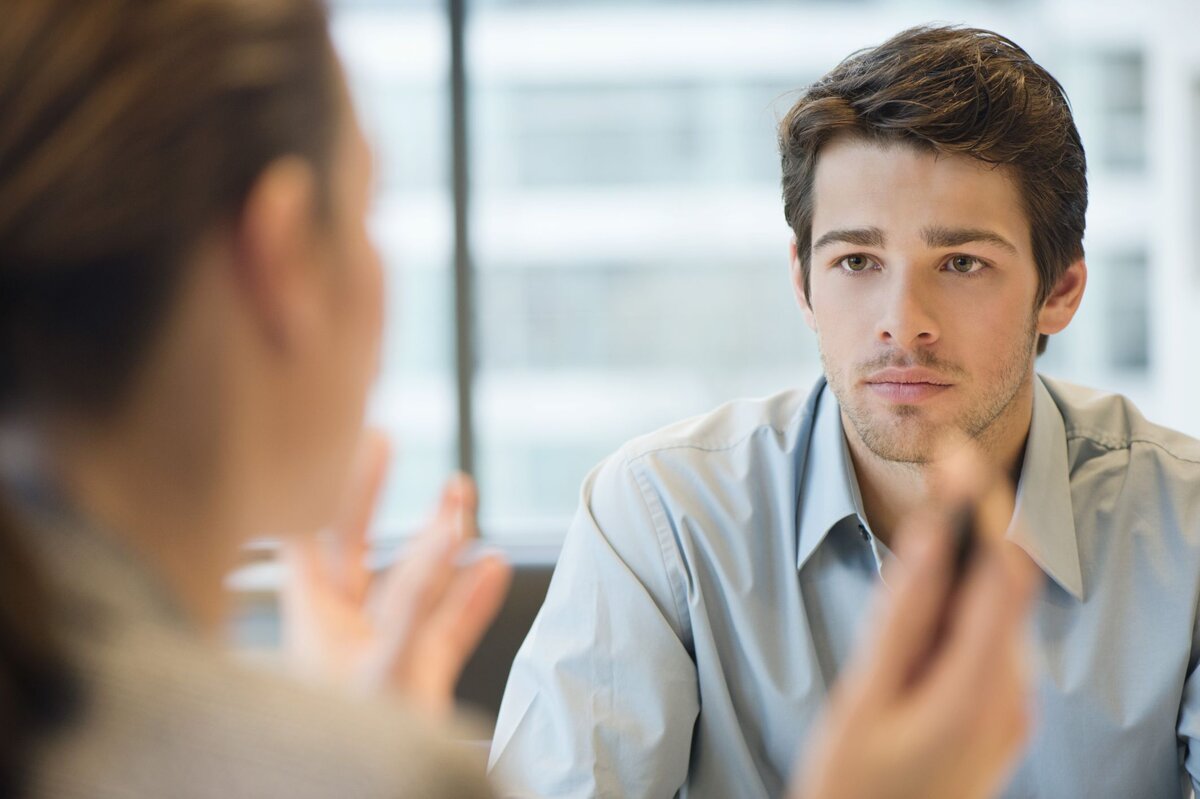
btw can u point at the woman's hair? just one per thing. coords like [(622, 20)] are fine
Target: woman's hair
[(129, 130), (949, 90)]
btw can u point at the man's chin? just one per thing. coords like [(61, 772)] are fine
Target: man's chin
[(905, 438), (900, 452)]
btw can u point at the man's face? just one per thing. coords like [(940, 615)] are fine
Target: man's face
[(922, 296)]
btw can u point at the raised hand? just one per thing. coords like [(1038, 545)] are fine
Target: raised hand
[(412, 628), (935, 704)]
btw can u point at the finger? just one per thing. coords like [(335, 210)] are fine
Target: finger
[(909, 616), (985, 634), (303, 574), (426, 598), (303, 564), (965, 484), (457, 509), (991, 597), (464, 615), (988, 703), (471, 604), (911, 628), (1006, 718), (350, 533), (1024, 577), (415, 584), (454, 514), (964, 478), (995, 597)]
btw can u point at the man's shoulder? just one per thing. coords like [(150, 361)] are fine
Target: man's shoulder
[(664, 499), (773, 424), (1097, 422)]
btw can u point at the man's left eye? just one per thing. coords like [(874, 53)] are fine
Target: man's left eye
[(965, 264)]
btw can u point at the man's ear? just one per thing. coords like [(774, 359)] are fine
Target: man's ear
[(798, 284), (1063, 302), (275, 248)]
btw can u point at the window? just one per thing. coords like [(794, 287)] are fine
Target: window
[(1123, 142), (627, 248), (1128, 333), (1194, 188), (396, 60), (629, 243)]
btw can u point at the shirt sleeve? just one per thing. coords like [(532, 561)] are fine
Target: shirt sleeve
[(602, 697), (1188, 730)]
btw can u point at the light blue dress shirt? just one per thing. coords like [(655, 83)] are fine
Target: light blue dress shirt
[(715, 578)]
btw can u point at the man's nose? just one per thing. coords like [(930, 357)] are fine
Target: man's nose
[(907, 318)]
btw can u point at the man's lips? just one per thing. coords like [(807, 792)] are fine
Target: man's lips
[(911, 374), (906, 386)]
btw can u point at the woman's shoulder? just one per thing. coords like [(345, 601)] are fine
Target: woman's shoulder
[(166, 714), (163, 711)]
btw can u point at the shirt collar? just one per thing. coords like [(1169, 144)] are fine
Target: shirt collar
[(1047, 520), (829, 489)]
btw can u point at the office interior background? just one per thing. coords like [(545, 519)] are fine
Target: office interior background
[(627, 247)]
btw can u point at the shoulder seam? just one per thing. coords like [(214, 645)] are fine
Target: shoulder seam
[(628, 460), (1111, 444)]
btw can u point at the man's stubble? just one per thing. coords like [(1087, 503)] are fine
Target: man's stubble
[(903, 434)]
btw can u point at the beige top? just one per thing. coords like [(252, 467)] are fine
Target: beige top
[(165, 714)]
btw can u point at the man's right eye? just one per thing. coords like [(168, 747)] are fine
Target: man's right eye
[(855, 263)]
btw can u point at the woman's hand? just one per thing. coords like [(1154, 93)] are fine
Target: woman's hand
[(935, 704), (411, 629)]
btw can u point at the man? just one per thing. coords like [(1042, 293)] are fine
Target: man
[(714, 579)]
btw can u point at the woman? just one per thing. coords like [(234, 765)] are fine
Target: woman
[(190, 313), (191, 316)]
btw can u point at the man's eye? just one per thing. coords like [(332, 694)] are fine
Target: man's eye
[(855, 263), (965, 264)]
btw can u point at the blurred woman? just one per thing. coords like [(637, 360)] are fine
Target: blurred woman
[(190, 313)]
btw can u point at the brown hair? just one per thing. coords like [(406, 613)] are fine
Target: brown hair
[(950, 90), (129, 129)]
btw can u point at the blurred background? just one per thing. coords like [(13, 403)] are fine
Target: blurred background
[(618, 233)]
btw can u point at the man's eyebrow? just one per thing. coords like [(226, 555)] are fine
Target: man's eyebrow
[(955, 237), (861, 237)]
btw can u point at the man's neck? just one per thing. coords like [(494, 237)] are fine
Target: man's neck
[(892, 490)]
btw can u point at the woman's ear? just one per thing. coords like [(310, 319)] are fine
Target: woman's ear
[(275, 249), (1060, 307)]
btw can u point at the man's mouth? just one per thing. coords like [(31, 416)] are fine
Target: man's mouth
[(908, 385)]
